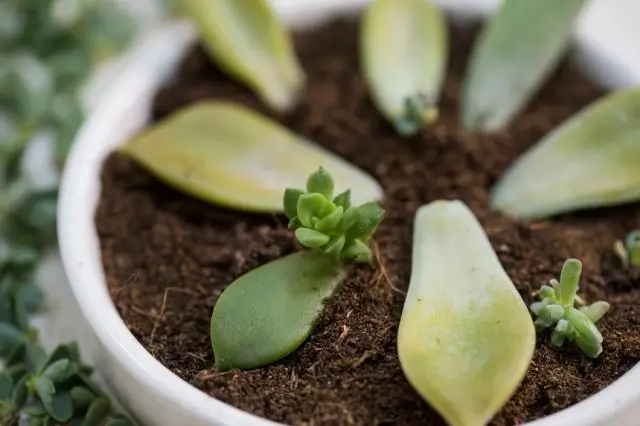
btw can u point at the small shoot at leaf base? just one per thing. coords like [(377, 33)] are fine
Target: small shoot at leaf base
[(556, 309), (403, 55), (331, 225), (419, 111), (629, 250)]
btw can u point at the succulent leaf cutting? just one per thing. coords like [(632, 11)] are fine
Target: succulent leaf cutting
[(328, 224), (557, 310)]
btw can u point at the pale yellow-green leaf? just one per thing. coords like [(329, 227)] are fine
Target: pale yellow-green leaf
[(592, 160), (465, 338), (229, 155), (404, 48), (514, 55), (249, 42)]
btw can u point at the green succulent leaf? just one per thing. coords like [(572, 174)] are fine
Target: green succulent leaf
[(404, 54), (17, 372), (61, 407), (82, 397), (215, 142), (6, 387), (119, 420), (30, 296), (60, 370), (291, 196), (10, 338), (321, 182), (61, 352), (45, 390), (249, 42), (97, 412), (569, 280), (629, 251), (349, 219), (599, 142), (281, 299), (311, 238), (334, 246), (310, 206), (465, 333), (330, 221), (20, 392), (357, 251), (368, 218), (520, 46), (343, 200), (36, 357)]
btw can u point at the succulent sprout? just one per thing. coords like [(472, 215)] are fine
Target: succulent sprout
[(328, 224), (629, 250), (557, 309)]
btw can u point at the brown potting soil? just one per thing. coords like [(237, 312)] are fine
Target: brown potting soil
[(168, 257)]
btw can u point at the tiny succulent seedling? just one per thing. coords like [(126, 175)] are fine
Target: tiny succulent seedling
[(328, 224), (283, 298), (629, 250), (557, 310)]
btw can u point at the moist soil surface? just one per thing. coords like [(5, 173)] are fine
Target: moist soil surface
[(168, 257)]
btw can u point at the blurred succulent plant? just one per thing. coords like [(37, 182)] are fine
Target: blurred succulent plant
[(331, 225), (629, 250), (47, 50), (556, 309)]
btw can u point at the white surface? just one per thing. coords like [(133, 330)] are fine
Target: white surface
[(152, 392)]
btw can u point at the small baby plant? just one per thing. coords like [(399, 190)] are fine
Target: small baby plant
[(557, 310), (629, 250), (270, 311), (331, 226)]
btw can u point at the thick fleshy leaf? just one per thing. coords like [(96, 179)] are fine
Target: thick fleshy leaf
[(82, 397), (45, 390), (6, 387), (119, 421), (465, 338), (61, 407), (248, 41), (404, 49), (20, 392), (60, 370), (517, 51), (97, 412), (589, 161), (10, 338), (229, 155), (269, 312)]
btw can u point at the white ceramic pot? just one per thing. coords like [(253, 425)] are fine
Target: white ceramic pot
[(150, 391)]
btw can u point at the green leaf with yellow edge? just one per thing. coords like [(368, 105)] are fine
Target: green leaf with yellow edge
[(248, 41), (228, 155), (269, 312), (592, 160), (404, 49), (465, 338), (514, 55)]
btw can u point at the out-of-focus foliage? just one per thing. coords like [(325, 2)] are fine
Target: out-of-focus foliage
[(47, 50)]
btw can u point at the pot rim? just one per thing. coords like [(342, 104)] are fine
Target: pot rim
[(80, 188)]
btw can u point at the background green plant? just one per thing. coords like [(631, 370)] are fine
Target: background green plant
[(48, 48)]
